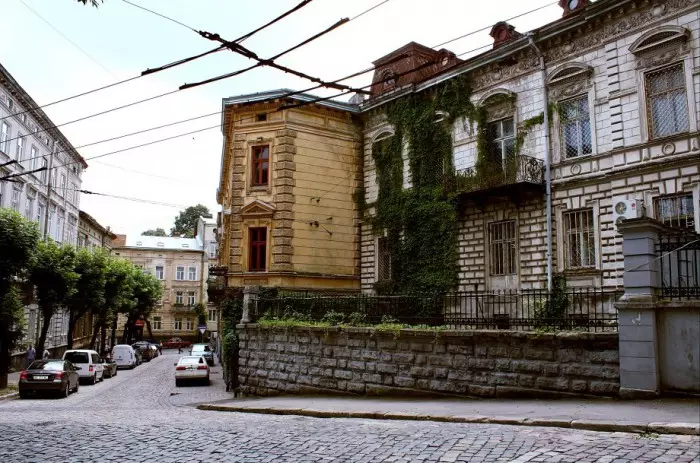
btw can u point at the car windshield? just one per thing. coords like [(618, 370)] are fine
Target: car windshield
[(200, 348), (47, 365), (189, 360), (76, 357)]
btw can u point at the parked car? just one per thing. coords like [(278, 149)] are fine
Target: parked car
[(139, 356), (176, 343), (90, 364), (155, 348), (203, 350), (110, 368), (145, 348), (54, 375), (124, 356), (191, 368), (158, 345)]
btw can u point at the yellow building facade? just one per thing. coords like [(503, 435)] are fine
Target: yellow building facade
[(287, 184)]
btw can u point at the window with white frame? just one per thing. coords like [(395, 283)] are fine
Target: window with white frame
[(19, 151), (60, 219), (33, 161), (177, 325), (190, 298), (502, 248), (40, 212), (501, 139), (212, 315), (4, 136), (63, 185), (190, 324), (383, 259), (54, 175), (157, 323), (160, 272), (178, 297), (16, 195), (575, 122), (212, 250), (667, 101), (29, 205), (676, 211), (192, 273), (45, 172), (180, 273), (579, 239)]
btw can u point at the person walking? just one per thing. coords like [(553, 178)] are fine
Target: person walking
[(46, 355), (31, 355)]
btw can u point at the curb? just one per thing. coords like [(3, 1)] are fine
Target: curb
[(690, 429), (9, 396)]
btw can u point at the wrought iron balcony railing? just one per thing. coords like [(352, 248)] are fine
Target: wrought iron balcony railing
[(515, 170)]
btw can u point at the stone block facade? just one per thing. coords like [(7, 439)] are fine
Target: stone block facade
[(416, 362)]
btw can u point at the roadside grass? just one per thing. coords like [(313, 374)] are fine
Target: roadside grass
[(8, 390)]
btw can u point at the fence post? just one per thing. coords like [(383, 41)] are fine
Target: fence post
[(638, 339), (250, 304)]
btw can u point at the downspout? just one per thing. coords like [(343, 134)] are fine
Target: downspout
[(547, 159)]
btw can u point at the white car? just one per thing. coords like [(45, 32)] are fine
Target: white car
[(90, 363), (124, 356), (191, 368)]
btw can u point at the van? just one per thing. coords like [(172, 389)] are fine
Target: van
[(91, 368), (124, 356)]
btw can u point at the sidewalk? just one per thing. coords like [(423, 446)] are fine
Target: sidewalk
[(664, 416)]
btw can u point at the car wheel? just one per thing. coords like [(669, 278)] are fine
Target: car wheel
[(77, 385), (115, 373), (93, 380), (23, 394), (66, 390)]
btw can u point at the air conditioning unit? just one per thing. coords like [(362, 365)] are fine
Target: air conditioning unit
[(624, 209)]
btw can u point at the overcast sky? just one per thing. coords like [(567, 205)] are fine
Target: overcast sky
[(123, 41)]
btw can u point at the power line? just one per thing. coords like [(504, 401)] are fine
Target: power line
[(278, 18), (68, 39), (368, 10), (161, 15)]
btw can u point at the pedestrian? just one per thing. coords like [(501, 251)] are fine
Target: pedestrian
[(46, 355), (179, 348), (31, 355)]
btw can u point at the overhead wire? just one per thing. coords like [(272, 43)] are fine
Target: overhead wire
[(180, 23)]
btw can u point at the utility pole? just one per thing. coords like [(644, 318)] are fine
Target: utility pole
[(48, 192)]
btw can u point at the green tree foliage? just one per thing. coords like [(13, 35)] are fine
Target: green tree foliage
[(147, 290), (18, 239), (54, 277), (201, 311), (186, 221), (89, 294), (117, 296), (155, 232)]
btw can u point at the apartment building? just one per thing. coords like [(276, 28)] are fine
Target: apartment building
[(29, 141), (92, 235), (182, 265), (206, 233), (619, 82)]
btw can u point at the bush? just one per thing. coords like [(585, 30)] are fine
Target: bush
[(333, 318), (357, 319)]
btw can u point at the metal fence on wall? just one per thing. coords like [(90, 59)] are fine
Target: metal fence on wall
[(585, 309), (679, 255)]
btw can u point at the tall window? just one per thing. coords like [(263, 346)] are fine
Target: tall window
[(212, 315), (579, 237), (261, 165), (383, 259), (192, 273), (676, 211), (52, 213), (16, 193), (33, 158), (40, 212), (19, 152), (178, 324), (502, 250), (160, 272), (576, 127), (178, 297), (190, 324), (190, 298), (258, 249), (4, 136), (501, 137), (45, 172), (212, 250), (59, 225), (157, 323), (63, 185), (29, 206), (667, 102), (180, 273)]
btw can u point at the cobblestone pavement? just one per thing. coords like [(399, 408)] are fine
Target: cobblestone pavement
[(141, 416)]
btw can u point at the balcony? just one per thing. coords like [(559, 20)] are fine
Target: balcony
[(517, 176), (182, 308)]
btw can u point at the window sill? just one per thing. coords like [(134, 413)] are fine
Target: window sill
[(257, 188), (583, 271)]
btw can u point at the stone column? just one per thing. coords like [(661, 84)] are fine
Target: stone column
[(250, 304), (639, 359)]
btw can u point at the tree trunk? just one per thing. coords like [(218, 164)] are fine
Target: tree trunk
[(71, 328), (103, 337), (95, 332), (4, 363), (127, 330), (44, 331), (148, 327), (114, 330)]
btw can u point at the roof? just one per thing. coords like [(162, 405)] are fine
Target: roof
[(41, 117), (163, 242), (85, 217)]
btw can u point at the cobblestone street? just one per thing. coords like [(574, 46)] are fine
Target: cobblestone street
[(141, 416)]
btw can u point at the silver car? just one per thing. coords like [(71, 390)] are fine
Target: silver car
[(191, 368), (203, 350)]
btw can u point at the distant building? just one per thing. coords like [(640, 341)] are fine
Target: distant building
[(182, 266), (92, 235), (206, 234), (27, 140)]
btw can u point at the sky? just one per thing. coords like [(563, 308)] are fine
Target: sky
[(85, 48)]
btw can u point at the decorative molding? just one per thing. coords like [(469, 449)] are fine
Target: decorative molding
[(562, 92)]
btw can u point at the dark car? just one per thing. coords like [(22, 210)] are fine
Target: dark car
[(54, 375), (203, 350), (145, 348), (110, 368), (138, 355)]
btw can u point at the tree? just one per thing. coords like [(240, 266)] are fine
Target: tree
[(52, 272), (200, 310), (147, 291), (117, 294), (18, 239), (186, 221), (89, 294), (156, 232), (94, 3)]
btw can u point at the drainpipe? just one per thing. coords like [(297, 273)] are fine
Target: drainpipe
[(547, 159)]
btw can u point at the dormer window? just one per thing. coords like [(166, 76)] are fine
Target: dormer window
[(388, 80)]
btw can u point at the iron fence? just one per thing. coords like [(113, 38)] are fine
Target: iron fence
[(679, 255), (586, 309)]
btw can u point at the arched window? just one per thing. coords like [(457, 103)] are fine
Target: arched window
[(568, 87)]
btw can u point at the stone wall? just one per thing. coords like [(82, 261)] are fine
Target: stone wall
[(467, 363)]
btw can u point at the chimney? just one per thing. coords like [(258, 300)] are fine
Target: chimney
[(119, 241), (502, 32)]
